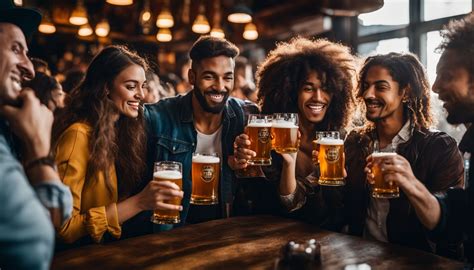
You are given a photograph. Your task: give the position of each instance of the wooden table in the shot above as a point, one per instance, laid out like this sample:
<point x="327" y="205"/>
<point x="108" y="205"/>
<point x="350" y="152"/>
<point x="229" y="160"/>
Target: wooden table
<point x="242" y="243"/>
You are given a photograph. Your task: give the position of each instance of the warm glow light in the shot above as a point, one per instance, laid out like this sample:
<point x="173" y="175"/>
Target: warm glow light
<point x="250" y="32"/>
<point x="120" y="2"/>
<point x="79" y="15"/>
<point x="201" y="25"/>
<point x="18" y="2"/>
<point x="165" y="19"/>
<point x="164" y="35"/>
<point x="46" y="27"/>
<point x="146" y="16"/>
<point x="217" y="32"/>
<point x="239" y="18"/>
<point x="102" y="29"/>
<point x="85" y="30"/>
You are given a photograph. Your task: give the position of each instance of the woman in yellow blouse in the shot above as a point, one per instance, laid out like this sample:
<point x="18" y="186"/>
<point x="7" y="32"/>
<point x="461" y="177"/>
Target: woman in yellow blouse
<point x="100" y="136"/>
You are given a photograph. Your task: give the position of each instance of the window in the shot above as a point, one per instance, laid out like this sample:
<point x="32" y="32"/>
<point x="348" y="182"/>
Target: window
<point x="435" y="9"/>
<point x="385" y="19"/>
<point x="384" y="46"/>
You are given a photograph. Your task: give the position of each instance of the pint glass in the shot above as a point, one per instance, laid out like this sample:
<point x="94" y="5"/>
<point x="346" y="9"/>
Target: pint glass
<point x="168" y="171"/>
<point x="381" y="188"/>
<point x="205" y="176"/>
<point x="331" y="159"/>
<point x="259" y="131"/>
<point x="285" y="133"/>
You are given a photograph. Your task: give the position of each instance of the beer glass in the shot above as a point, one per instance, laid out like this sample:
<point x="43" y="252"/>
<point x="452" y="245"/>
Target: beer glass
<point x="330" y="158"/>
<point x="205" y="176"/>
<point x="168" y="171"/>
<point x="381" y="188"/>
<point x="259" y="131"/>
<point x="285" y="133"/>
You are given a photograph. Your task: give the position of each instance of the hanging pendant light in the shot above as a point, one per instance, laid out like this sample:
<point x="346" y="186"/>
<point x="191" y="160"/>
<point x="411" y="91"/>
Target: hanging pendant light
<point x="201" y="25"/>
<point x="240" y="13"/>
<point x="102" y="29"/>
<point x="46" y="26"/>
<point x="18" y="3"/>
<point x="85" y="30"/>
<point x="79" y="14"/>
<point x="145" y="18"/>
<point x="120" y="2"/>
<point x="216" y="30"/>
<point x="164" y="35"/>
<point x="250" y="32"/>
<point x="165" y="19"/>
<point x="349" y="8"/>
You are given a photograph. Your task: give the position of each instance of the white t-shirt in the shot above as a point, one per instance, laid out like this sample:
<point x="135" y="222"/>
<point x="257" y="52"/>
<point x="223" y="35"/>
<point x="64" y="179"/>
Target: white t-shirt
<point x="208" y="144"/>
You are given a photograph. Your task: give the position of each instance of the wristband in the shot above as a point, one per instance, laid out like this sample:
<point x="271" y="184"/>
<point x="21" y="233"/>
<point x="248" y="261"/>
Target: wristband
<point x="48" y="161"/>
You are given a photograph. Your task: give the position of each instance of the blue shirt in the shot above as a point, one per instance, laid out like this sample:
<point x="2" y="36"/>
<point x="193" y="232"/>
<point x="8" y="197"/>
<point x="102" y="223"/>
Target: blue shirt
<point x="26" y="231"/>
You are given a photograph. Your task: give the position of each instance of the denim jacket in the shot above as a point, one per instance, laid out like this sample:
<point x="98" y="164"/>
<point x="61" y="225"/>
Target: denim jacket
<point x="171" y="136"/>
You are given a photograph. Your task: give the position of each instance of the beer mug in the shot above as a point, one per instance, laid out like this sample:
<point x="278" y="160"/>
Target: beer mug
<point x="205" y="176"/>
<point x="381" y="188"/>
<point x="168" y="171"/>
<point x="330" y="158"/>
<point x="259" y="131"/>
<point x="285" y="133"/>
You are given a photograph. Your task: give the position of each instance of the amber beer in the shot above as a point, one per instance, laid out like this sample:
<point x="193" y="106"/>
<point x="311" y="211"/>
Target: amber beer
<point x="168" y="216"/>
<point x="380" y="187"/>
<point x="205" y="177"/>
<point x="259" y="132"/>
<point x="285" y="133"/>
<point x="331" y="162"/>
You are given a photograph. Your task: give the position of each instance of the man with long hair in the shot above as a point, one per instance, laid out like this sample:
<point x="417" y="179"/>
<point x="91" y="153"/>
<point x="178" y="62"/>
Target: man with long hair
<point x="205" y="120"/>
<point x="454" y="84"/>
<point x="315" y="79"/>
<point x="26" y="230"/>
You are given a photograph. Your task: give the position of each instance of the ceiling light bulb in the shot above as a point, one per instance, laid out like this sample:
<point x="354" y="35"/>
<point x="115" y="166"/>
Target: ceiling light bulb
<point x="250" y="32"/>
<point x="165" y="19"/>
<point x="102" y="29"/>
<point x="146" y="16"/>
<point x="164" y="35"/>
<point x="46" y="27"/>
<point x="201" y="25"/>
<point x="85" y="30"/>
<point x="79" y="15"/>
<point x="239" y="18"/>
<point x="217" y="32"/>
<point x="120" y="2"/>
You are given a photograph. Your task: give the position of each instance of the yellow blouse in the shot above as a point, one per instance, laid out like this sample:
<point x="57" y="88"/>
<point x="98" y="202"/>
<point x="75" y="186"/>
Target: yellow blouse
<point x="91" y="197"/>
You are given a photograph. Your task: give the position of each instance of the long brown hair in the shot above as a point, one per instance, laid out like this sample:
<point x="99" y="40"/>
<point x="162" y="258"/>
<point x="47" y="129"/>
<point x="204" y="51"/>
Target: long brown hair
<point x="121" y="142"/>
<point x="282" y="74"/>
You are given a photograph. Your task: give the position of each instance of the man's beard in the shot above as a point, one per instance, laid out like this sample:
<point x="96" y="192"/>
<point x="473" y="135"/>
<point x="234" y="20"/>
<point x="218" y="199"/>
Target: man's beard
<point x="203" y="102"/>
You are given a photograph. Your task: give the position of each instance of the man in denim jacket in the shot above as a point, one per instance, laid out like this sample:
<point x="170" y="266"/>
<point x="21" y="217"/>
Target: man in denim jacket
<point x="204" y="120"/>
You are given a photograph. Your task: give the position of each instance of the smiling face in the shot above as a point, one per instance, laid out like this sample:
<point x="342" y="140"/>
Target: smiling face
<point x="313" y="99"/>
<point x="127" y="90"/>
<point x="382" y="95"/>
<point x="15" y="66"/>
<point x="455" y="88"/>
<point x="213" y="79"/>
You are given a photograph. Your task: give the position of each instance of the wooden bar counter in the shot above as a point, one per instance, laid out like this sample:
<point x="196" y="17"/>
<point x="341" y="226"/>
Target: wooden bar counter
<point x="252" y="242"/>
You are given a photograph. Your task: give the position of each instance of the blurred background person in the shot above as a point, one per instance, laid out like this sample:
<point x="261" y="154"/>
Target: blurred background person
<point x="48" y="90"/>
<point x="41" y="66"/>
<point x="72" y="80"/>
<point x="244" y="85"/>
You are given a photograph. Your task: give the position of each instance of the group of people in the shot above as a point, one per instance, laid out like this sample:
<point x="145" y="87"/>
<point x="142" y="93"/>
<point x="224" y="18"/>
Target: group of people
<point x="85" y="175"/>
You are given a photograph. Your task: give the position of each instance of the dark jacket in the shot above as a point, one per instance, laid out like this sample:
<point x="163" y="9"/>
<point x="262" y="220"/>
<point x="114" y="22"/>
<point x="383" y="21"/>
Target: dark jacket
<point x="457" y="206"/>
<point x="435" y="161"/>
<point x="172" y="137"/>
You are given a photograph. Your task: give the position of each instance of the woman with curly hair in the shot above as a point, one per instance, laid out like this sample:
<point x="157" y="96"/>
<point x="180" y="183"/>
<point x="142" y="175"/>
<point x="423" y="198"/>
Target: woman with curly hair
<point x="315" y="79"/>
<point x="100" y="143"/>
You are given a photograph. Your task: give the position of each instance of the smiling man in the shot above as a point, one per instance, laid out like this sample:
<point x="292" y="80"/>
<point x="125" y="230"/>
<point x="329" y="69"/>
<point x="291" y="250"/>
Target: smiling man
<point x="395" y="91"/>
<point x="205" y="120"/>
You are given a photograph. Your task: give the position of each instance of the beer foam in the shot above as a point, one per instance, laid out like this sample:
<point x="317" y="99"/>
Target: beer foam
<point x="206" y="159"/>
<point x="383" y="154"/>
<point x="259" y="125"/>
<point x="172" y="175"/>
<point x="284" y="124"/>
<point x="330" y="141"/>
